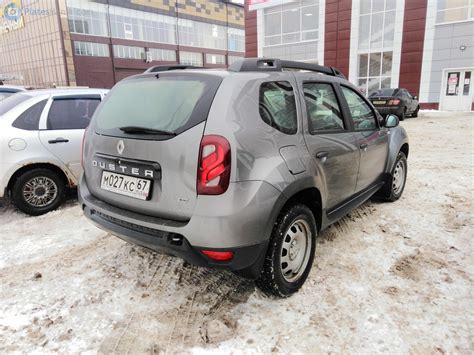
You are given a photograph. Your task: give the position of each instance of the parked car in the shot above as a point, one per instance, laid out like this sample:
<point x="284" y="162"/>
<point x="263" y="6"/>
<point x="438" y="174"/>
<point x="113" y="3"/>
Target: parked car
<point x="240" y="168"/>
<point x="395" y="101"/>
<point x="8" y="90"/>
<point x="40" y="145"/>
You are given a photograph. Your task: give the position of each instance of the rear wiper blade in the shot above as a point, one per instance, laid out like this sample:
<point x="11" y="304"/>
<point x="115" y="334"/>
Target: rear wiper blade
<point x="145" y="130"/>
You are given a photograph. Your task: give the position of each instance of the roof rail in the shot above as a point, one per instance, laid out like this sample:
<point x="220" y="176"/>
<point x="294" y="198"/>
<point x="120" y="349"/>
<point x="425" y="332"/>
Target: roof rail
<point x="160" y="68"/>
<point x="273" y="64"/>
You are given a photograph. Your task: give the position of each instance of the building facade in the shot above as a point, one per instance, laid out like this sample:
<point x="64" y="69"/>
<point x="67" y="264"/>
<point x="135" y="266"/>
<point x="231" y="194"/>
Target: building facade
<point x="424" y="46"/>
<point x="96" y="43"/>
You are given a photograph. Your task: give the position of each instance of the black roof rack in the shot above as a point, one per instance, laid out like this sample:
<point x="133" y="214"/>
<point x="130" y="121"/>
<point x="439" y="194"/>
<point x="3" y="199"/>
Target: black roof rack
<point x="160" y="68"/>
<point x="273" y="64"/>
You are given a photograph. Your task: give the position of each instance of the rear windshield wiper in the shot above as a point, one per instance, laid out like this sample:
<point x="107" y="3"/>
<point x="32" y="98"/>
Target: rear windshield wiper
<point x="144" y="130"/>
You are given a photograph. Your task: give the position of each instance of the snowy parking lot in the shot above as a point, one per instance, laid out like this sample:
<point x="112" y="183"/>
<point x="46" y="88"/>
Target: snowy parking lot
<point x="389" y="277"/>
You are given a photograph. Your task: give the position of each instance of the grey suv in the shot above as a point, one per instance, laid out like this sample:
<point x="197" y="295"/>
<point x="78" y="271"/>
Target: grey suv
<point x="240" y="168"/>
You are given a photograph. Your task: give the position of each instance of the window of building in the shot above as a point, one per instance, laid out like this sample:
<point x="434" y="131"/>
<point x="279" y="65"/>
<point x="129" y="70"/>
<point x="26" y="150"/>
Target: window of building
<point x="164" y="55"/>
<point x="71" y="113"/>
<point x="191" y="58"/>
<point x="236" y="39"/>
<point x="454" y="10"/>
<point x="277" y="106"/>
<point x="215" y="58"/>
<point x="375" y="70"/>
<point x="87" y="17"/>
<point x="201" y="34"/>
<point x="292" y="23"/>
<point x="142" y="26"/>
<point x="362" y="116"/>
<point x="233" y="58"/>
<point x="91" y="49"/>
<point x="322" y="108"/>
<point x="376" y="33"/>
<point x="128" y="52"/>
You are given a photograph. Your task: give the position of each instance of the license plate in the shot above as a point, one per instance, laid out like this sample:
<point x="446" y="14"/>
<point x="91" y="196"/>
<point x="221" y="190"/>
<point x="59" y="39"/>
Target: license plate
<point x="126" y="185"/>
<point x="379" y="102"/>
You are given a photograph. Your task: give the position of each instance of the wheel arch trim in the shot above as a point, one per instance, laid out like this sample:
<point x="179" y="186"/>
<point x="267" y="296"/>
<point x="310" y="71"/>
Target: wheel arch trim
<point x="302" y="190"/>
<point x="24" y="167"/>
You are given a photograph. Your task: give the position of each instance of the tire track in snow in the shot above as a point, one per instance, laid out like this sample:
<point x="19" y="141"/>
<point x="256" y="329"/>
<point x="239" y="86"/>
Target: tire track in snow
<point x="195" y="295"/>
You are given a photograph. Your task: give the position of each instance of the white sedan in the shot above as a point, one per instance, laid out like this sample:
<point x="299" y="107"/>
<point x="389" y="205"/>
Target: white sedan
<point x="41" y="134"/>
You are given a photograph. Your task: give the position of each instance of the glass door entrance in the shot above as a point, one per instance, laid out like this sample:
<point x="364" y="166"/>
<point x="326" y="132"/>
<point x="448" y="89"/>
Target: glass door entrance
<point x="457" y="90"/>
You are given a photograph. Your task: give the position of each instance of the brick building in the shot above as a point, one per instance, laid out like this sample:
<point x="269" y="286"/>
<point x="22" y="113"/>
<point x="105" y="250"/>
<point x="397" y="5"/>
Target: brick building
<point x="425" y="46"/>
<point x="98" y="42"/>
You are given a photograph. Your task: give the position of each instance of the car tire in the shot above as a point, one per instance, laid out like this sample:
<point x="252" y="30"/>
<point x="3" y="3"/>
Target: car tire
<point x="38" y="191"/>
<point x="398" y="178"/>
<point x="415" y="113"/>
<point x="290" y="252"/>
<point x="403" y="115"/>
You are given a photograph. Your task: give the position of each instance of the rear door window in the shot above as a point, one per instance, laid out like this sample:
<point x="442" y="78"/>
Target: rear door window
<point x="277" y="106"/>
<point x="322" y="107"/>
<point x="71" y="113"/>
<point x="168" y="102"/>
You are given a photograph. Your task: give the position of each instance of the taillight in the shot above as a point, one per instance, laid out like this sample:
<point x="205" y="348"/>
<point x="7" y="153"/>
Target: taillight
<point x="394" y="102"/>
<point x="214" y="166"/>
<point x="82" y="148"/>
<point x="218" y="255"/>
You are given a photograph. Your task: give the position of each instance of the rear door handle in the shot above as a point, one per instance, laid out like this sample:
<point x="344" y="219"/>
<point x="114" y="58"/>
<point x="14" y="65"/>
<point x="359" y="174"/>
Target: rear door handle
<point x="322" y="156"/>
<point x="364" y="146"/>
<point x="58" y="140"/>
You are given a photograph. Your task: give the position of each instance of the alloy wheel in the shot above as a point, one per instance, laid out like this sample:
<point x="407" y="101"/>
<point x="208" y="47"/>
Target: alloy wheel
<point x="40" y="191"/>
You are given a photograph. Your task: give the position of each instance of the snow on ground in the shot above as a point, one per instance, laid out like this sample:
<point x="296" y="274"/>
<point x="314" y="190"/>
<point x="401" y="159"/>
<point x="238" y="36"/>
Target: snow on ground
<point x="388" y="277"/>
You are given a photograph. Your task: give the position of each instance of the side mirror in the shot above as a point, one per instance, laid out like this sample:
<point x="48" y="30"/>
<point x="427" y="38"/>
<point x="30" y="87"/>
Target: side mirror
<point x="392" y="121"/>
<point x="415" y="97"/>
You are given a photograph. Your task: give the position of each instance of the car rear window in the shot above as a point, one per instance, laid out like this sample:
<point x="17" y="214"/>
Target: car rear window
<point x="11" y="102"/>
<point x="383" y="92"/>
<point x="5" y="94"/>
<point x="166" y="102"/>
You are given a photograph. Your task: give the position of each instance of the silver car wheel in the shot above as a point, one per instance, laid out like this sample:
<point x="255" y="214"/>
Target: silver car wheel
<point x="40" y="191"/>
<point x="295" y="250"/>
<point x="398" y="180"/>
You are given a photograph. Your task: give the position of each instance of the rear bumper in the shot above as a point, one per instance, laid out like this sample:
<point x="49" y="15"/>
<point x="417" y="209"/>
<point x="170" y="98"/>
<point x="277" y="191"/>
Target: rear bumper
<point x="385" y="110"/>
<point x="247" y="261"/>
<point x="244" y="228"/>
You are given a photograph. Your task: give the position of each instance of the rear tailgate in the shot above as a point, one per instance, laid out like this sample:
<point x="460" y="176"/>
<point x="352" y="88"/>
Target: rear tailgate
<point x="148" y="172"/>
